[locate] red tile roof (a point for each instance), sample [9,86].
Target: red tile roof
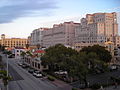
[19,48]
[39,51]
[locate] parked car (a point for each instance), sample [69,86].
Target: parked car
[99,70]
[37,74]
[20,64]
[11,56]
[24,66]
[113,67]
[30,70]
[61,72]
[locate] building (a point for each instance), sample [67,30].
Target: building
[0,42]
[29,40]
[117,39]
[97,28]
[79,46]
[35,60]
[17,52]
[36,37]
[63,33]
[13,42]
[118,20]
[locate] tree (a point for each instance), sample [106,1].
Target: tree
[103,54]
[66,59]
[2,48]
[28,53]
[23,54]
[55,55]
[27,46]
[75,63]
[4,77]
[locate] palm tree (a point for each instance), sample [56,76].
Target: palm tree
[27,46]
[23,54]
[5,78]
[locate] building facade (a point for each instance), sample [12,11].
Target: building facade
[35,60]
[36,37]
[97,28]
[17,52]
[13,42]
[63,33]
[117,39]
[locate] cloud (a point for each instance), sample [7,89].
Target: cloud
[13,9]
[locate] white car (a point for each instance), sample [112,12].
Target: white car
[20,64]
[37,74]
[113,67]
[61,72]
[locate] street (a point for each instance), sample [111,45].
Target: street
[22,80]
[102,78]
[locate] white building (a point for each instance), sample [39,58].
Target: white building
[17,51]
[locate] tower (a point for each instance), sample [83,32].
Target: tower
[3,36]
[2,39]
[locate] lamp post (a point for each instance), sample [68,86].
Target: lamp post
[7,65]
[7,69]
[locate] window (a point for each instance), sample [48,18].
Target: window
[35,64]
[39,65]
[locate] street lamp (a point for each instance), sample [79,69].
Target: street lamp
[7,65]
[7,69]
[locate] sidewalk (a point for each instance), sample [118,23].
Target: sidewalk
[112,88]
[62,85]
[1,85]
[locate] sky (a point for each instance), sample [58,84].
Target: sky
[18,18]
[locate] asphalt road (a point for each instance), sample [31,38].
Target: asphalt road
[22,80]
[15,76]
[103,78]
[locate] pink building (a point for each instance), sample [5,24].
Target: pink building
[97,28]
[63,33]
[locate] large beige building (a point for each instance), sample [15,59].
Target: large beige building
[63,33]
[97,28]
[13,42]
[36,37]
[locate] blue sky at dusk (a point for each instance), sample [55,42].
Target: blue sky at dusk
[18,18]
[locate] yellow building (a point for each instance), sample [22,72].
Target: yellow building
[79,46]
[13,42]
[0,42]
[108,45]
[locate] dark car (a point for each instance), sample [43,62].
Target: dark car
[11,56]
[30,70]
[24,66]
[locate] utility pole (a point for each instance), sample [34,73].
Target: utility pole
[7,70]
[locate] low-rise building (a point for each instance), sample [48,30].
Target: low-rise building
[17,52]
[35,60]
[13,42]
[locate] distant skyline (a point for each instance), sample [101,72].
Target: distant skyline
[18,18]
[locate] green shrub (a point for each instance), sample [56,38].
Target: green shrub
[95,86]
[74,88]
[51,78]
